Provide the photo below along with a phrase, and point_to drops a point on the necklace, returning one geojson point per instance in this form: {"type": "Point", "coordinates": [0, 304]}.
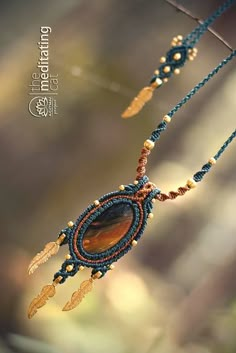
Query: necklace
{"type": "Point", "coordinates": [182, 49]}
{"type": "Point", "coordinates": [113, 224]}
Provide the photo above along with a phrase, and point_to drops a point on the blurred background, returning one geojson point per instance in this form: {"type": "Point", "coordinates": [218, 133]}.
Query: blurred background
{"type": "Point", "coordinates": [176, 291]}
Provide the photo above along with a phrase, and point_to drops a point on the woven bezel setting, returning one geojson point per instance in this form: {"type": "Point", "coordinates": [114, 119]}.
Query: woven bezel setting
{"type": "Point", "coordinates": [139, 198]}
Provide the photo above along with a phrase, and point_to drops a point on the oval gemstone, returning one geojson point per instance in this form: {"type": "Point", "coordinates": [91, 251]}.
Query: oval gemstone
{"type": "Point", "coordinates": [108, 228]}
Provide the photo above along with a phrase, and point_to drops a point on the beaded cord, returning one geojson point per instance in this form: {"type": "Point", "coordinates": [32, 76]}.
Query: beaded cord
{"type": "Point", "coordinates": [163, 125]}
{"type": "Point", "coordinates": [182, 49]}
{"type": "Point", "coordinates": [155, 136]}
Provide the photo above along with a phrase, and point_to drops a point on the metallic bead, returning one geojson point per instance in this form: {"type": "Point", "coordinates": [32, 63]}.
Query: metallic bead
{"type": "Point", "coordinates": [191, 183]}
{"type": "Point", "coordinates": [191, 57]}
{"type": "Point", "coordinates": [162, 60]}
{"type": "Point", "coordinates": [175, 39]}
{"type": "Point", "coordinates": [61, 238]}
{"type": "Point", "coordinates": [69, 268]}
{"type": "Point", "coordinates": [68, 257]}
{"type": "Point", "coordinates": [134, 243]}
{"type": "Point", "coordinates": [212, 161]}
{"type": "Point", "coordinates": [166, 69]}
{"type": "Point", "coordinates": [122, 187]}
{"type": "Point", "coordinates": [96, 202]}
{"type": "Point", "coordinates": [195, 50]}
{"type": "Point", "coordinates": [149, 144]}
{"type": "Point", "coordinates": [111, 267]}
{"type": "Point", "coordinates": [136, 182]}
{"type": "Point", "coordinates": [70, 224]}
{"type": "Point", "coordinates": [158, 82]}
{"type": "Point", "coordinates": [177, 56]}
{"type": "Point", "coordinates": [81, 268]}
{"type": "Point", "coordinates": [156, 72]}
{"type": "Point", "coordinates": [179, 37]}
{"type": "Point", "coordinates": [97, 275]}
{"type": "Point", "coordinates": [173, 44]}
{"type": "Point", "coordinates": [150, 215]}
{"type": "Point", "coordinates": [177, 71]}
{"type": "Point", "coordinates": [153, 200]}
{"type": "Point", "coordinates": [165, 79]}
{"type": "Point", "coordinates": [167, 118]}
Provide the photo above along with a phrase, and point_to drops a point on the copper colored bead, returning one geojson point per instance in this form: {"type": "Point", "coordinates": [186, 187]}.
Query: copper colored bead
{"type": "Point", "coordinates": [70, 224]}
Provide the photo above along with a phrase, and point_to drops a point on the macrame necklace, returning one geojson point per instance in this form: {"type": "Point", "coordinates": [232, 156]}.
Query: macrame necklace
{"type": "Point", "coordinates": [113, 224]}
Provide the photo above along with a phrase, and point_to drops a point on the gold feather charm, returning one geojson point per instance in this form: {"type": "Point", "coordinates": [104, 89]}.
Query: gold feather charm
{"type": "Point", "coordinates": [138, 102]}
{"type": "Point", "coordinates": [49, 250]}
{"type": "Point", "coordinates": [77, 297]}
{"type": "Point", "coordinates": [47, 292]}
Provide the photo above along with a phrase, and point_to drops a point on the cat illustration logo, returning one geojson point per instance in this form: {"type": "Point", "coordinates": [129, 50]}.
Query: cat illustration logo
{"type": "Point", "coordinates": [42, 107]}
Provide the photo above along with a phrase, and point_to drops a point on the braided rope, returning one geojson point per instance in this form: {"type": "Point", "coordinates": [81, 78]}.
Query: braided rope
{"type": "Point", "coordinates": [162, 126]}
{"type": "Point", "coordinates": [172, 194]}
{"type": "Point", "coordinates": [206, 167]}
{"type": "Point", "coordinates": [198, 32]}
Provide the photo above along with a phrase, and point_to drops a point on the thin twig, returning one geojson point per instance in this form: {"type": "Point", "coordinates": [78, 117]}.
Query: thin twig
{"type": "Point", "coordinates": [188, 13]}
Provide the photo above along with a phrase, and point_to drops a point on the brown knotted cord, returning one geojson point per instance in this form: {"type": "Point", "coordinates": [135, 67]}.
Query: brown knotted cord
{"type": "Point", "coordinates": [173, 194]}
{"type": "Point", "coordinates": [141, 169]}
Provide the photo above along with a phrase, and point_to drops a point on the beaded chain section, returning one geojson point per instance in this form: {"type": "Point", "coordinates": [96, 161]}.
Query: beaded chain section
{"type": "Point", "coordinates": [114, 223]}
{"type": "Point", "coordinates": [182, 49]}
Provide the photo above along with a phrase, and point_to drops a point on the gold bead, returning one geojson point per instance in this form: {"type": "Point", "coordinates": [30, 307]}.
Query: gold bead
{"type": "Point", "coordinates": [81, 268]}
{"type": "Point", "coordinates": [191, 183]}
{"type": "Point", "coordinates": [111, 267]}
{"type": "Point", "coordinates": [69, 268]}
{"type": "Point", "coordinates": [149, 144]}
{"type": "Point", "coordinates": [61, 238]}
{"type": "Point", "coordinates": [191, 57]}
{"type": "Point", "coordinates": [212, 161]}
{"type": "Point", "coordinates": [68, 257]}
{"type": "Point", "coordinates": [195, 50]}
{"type": "Point", "coordinates": [166, 69]}
{"type": "Point", "coordinates": [165, 79]}
{"type": "Point", "coordinates": [134, 243]}
{"type": "Point", "coordinates": [158, 82]}
{"type": "Point", "coordinates": [162, 60]}
{"type": "Point", "coordinates": [177, 56]}
{"type": "Point", "coordinates": [177, 71]}
{"type": "Point", "coordinates": [175, 40]}
{"type": "Point", "coordinates": [97, 275]}
{"type": "Point", "coordinates": [96, 202]}
{"type": "Point", "coordinates": [179, 37]}
{"type": "Point", "coordinates": [167, 118]}
{"type": "Point", "coordinates": [122, 187]}
{"type": "Point", "coordinates": [136, 182]}
{"type": "Point", "coordinates": [173, 44]}
{"type": "Point", "coordinates": [153, 200]}
{"type": "Point", "coordinates": [156, 72]}
{"type": "Point", "coordinates": [150, 215]}
{"type": "Point", "coordinates": [70, 224]}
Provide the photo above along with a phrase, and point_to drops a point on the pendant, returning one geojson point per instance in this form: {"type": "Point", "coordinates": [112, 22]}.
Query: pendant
{"type": "Point", "coordinates": [103, 233]}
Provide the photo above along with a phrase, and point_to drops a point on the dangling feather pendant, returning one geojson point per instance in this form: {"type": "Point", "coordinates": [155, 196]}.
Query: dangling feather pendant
{"type": "Point", "coordinates": [104, 232]}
